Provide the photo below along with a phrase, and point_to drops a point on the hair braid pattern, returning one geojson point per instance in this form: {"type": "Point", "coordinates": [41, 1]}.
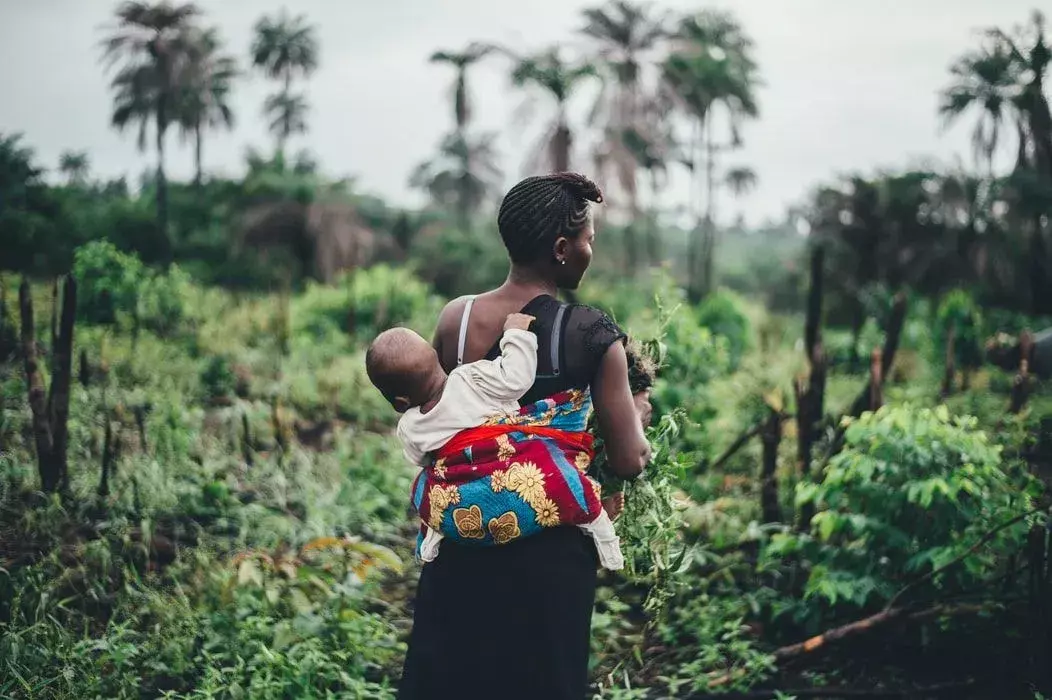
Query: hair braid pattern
{"type": "Point", "coordinates": [540, 209]}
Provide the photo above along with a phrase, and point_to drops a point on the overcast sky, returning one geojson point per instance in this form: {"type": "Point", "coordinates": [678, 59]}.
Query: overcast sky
{"type": "Point", "coordinates": [848, 85]}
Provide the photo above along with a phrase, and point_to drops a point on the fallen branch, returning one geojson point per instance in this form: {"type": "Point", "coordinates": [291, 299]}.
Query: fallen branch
{"type": "Point", "coordinates": [866, 624]}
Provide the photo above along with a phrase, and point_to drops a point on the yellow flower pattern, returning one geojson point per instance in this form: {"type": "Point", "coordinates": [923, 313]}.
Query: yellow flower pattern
{"type": "Point", "coordinates": [440, 468]}
{"type": "Point", "coordinates": [505, 528]}
{"type": "Point", "coordinates": [547, 513]}
{"type": "Point", "coordinates": [526, 480]}
{"type": "Point", "coordinates": [505, 450]}
{"type": "Point", "coordinates": [441, 497]}
{"type": "Point", "coordinates": [469, 522]}
{"type": "Point", "coordinates": [582, 461]}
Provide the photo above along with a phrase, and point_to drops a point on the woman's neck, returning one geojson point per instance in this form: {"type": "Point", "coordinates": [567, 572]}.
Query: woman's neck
{"type": "Point", "coordinates": [524, 281]}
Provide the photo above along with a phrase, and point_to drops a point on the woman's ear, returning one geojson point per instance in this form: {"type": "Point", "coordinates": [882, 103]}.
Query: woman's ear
{"type": "Point", "coordinates": [561, 249]}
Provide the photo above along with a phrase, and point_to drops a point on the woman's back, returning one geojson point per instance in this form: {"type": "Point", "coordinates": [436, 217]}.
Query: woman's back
{"type": "Point", "coordinates": [532, 598]}
{"type": "Point", "coordinates": [579, 335]}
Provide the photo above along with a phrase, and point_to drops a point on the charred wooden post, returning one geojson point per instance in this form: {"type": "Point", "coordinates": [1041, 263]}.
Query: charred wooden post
{"type": "Point", "coordinates": [810, 399]}
{"type": "Point", "coordinates": [279, 427]}
{"type": "Point", "coordinates": [951, 365]}
{"type": "Point", "coordinates": [49, 480]}
{"type": "Point", "coordinates": [771, 437]}
{"type": "Point", "coordinates": [84, 372]}
{"type": "Point", "coordinates": [1022, 380]}
{"type": "Point", "coordinates": [887, 356]}
{"type": "Point", "coordinates": [246, 440]}
{"type": "Point", "coordinates": [50, 409]}
{"type": "Point", "coordinates": [8, 337]}
{"type": "Point", "coordinates": [139, 411]}
{"type": "Point", "coordinates": [110, 453]}
{"type": "Point", "coordinates": [876, 380]}
{"type": "Point", "coordinates": [61, 376]}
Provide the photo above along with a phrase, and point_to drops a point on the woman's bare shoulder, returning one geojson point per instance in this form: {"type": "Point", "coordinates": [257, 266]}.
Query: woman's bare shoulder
{"type": "Point", "coordinates": [449, 322]}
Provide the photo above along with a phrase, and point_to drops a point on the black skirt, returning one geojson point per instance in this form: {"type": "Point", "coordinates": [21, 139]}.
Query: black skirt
{"type": "Point", "coordinates": [504, 623]}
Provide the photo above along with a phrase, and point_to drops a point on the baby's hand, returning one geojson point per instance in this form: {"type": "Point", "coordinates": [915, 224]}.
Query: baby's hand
{"type": "Point", "coordinates": [519, 322]}
{"type": "Point", "coordinates": [613, 505]}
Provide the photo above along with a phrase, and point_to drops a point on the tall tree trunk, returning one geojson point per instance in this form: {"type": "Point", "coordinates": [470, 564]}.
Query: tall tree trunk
{"type": "Point", "coordinates": [654, 252]}
{"type": "Point", "coordinates": [1039, 261]}
{"type": "Point", "coordinates": [460, 99]}
{"type": "Point", "coordinates": [162, 180]}
{"type": "Point", "coordinates": [810, 400]}
{"type": "Point", "coordinates": [771, 437]}
{"type": "Point", "coordinates": [695, 244]}
{"type": "Point", "coordinates": [198, 148]}
{"type": "Point", "coordinates": [560, 147]}
{"type": "Point", "coordinates": [710, 210]}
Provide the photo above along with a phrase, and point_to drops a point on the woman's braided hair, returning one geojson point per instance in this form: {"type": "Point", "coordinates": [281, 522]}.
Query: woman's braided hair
{"type": "Point", "coordinates": [542, 208]}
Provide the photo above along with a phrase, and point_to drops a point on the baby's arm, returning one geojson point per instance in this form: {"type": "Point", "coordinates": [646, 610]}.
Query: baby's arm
{"type": "Point", "coordinates": [512, 374]}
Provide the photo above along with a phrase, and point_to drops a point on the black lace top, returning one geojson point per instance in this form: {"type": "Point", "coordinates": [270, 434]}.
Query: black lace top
{"type": "Point", "coordinates": [584, 337]}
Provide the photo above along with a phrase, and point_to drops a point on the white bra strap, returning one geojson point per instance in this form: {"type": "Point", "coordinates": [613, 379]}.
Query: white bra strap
{"type": "Point", "coordinates": [462, 340]}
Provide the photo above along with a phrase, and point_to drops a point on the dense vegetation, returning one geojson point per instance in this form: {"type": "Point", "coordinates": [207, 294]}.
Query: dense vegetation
{"type": "Point", "coordinates": [200, 496]}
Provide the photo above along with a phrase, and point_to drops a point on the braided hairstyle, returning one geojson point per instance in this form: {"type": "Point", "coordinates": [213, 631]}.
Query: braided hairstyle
{"type": "Point", "coordinates": [540, 209]}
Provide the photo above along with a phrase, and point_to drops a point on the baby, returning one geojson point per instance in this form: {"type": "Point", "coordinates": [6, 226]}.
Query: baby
{"type": "Point", "coordinates": [435, 406]}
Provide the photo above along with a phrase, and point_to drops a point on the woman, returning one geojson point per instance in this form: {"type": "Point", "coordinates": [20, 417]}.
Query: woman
{"type": "Point", "coordinates": [513, 621]}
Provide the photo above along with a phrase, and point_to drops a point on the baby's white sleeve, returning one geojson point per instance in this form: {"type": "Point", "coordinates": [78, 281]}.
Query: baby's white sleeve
{"type": "Point", "coordinates": [410, 449]}
{"type": "Point", "coordinates": [512, 374]}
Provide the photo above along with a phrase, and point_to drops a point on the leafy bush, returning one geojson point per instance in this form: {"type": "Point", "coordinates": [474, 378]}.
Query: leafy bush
{"type": "Point", "coordinates": [115, 288]}
{"type": "Point", "coordinates": [162, 301]}
{"type": "Point", "coordinates": [218, 378]}
{"type": "Point", "coordinates": [721, 314]}
{"type": "Point", "coordinates": [108, 282]}
{"type": "Point", "coordinates": [365, 303]}
{"type": "Point", "coordinates": [912, 490]}
{"type": "Point", "coordinates": [456, 262]}
{"type": "Point", "coordinates": [958, 313]}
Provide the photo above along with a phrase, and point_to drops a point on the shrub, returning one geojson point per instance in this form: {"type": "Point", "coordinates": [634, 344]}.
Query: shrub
{"type": "Point", "coordinates": [721, 314]}
{"type": "Point", "coordinates": [115, 288]}
{"type": "Point", "coordinates": [456, 262]}
{"type": "Point", "coordinates": [366, 302]}
{"type": "Point", "coordinates": [108, 282]}
{"type": "Point", "coordinates": [959, 312]}
{"type": "Point", "coordinates": [912, 490]}
{"type": "Point", "coordinates": [162, 301]}
{"type": "Point", "coordinates": [218, 378]}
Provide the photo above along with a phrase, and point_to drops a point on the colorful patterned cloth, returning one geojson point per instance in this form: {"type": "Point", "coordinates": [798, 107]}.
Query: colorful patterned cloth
{"type": "Point", "coordinates": [514, 477]}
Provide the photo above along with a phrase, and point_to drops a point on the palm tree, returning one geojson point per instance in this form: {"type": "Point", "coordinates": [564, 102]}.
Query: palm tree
{"type": "Point", "coordinates": [559, 79]}
{"type": "Point", "coordinates": [463, 176]}
{"type": "Point", "coordinates": [461, 62]}
{"type": "Point", "coordinates": [206, 92]}
{"type": "Point", "coordinates": [1030, 54]}
{"type": "Point", "coordinates": [284, 47]}
{"type": "Point", "coordinates": [624, 34]}
{"type": "Point", "coordinates": [288, 115]}
{"type": "Point", "coordinates": [74, 164]}
{"type": "Point", "coordinates": [154, 41]}
{"type": "Point", "coordinates": [740, 181]}
{"type": "Point", "coordinates": [984, 81]}
{"type": "Point", "coordinates": [711, 66]}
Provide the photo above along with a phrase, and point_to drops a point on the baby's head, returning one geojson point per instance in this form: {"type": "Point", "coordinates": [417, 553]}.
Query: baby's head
{"type": "Point", "coordinates": [404, 367]}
